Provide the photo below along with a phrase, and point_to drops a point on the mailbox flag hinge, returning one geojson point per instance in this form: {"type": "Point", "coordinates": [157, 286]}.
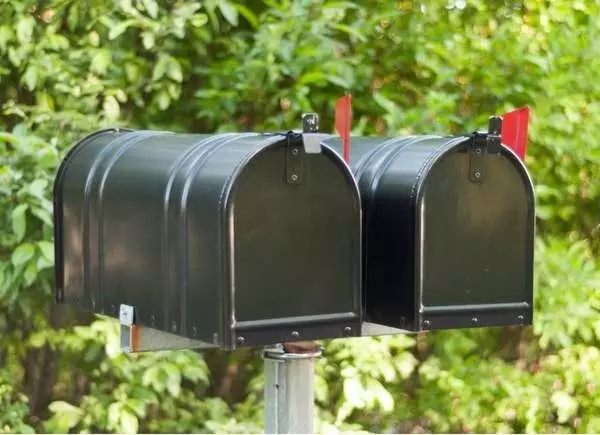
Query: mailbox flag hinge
{"type": "Point", "coordinates": [483, 144]}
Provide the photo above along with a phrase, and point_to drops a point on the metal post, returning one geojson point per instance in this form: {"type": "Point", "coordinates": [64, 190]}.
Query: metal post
{"type": "Point", "coordinates": [289, 390]}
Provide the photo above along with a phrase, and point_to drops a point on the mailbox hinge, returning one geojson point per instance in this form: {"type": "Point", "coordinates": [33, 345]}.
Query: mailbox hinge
{"type": "Point", "coordinates": [483, 144]}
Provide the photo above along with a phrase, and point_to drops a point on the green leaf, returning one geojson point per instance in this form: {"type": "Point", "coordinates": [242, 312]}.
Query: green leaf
{"type": "Point", "coordinates": [22, 254]}
{"type": "Point", "coordinates": [101, 61]}
{"type": "Point", "coordinates": [31, 77]}
{"type": "Point", "coordinates": [247, 14]}
{"type": "Point", "coordinates": [73, 17]}
{"type": "Point", "coordinates": [116, 30]}
{"type": "Point", "coordinates": [47, 249]}
{"type": "Point", "coordinates": [38, 188]}
{"type": "Point", "coordinates": [187, 10]}
{"type": "Point", "coordinates": [129, 422]}
{"type": "Point", "coordinates": [351, 31]}
{"type": "Point", "coordinates": [151, 7]}
{"type": "Point", "coordinates": [67, 414]}
{"type": "Point", "coordinates": [194, 373]}
{"type": "Point", "coordinates": [229, 12]}
{"type": "Point", "coordinates": [151, 377]}
{"type": "Point", "coordinates": [19, 221]}
{"type": "Point", "coordinates": [313, 77]}
{"type": "Point", "coordinates": [161, 67]}
{"type": "Point", "coordinates": [114, 415]}
{"type": "Point", "coordinates": [111, 108]}
{"type": "Point", "coordinates": [132, 72]}
{"type": "Point", "coordinates": [43, 263]}
{"type": "Point", "coordinates": [25, 29]}
{"type": "Point", "coordinates": [566, 405]}
{"type": "Point", "coordinates": [148, 40]}
{"type": "Point", "coordinates": [163, 100]}
{"type": "Point", "coordinates": [20, 130]}
{"type": "Point", "coordinates": [174, 71]}
{"type": "Point", "coordinates": [174, 379]}
{"type": "Point", "coordinates": [6, 35]}
{"type": "Point", "coordinates": [31, 273]}
{"type": "Point", "coordinates": [199, 20]}
{"type": "Point", "coordinates": [44, 215]}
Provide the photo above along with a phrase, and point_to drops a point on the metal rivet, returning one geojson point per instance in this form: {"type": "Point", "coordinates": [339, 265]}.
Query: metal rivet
{"type": "Point", "coordinates": [477, 174]}
{"type": "Point", "coordinates": [520, 317]}
{"type": "Point", "coordinates": [294, 151]}
{"type": "Point", "coordinates": [295, 334]}
{"type": "Point", "coordinates": [477, 150]}
{"type": "Point", "coordinates": [347, 330]}
{"type": "Point", "coordinates": [294, 177]}
{"type": "Point", "coordinates": [426, 323]}
{"type": "Point", "coordinates": [475, 320]}
{"type": "Point", "coordinates": [241, 340]}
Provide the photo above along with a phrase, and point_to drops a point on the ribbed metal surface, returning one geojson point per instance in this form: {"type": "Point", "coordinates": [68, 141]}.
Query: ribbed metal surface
{"type": "Point", "coordinates": [441, 251]}
{"type": "Point", "coordinates": [204, 236]}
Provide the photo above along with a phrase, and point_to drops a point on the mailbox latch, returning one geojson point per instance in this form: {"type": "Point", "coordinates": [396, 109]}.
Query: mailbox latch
{"type": "Point", "coordinates": [482, 145]}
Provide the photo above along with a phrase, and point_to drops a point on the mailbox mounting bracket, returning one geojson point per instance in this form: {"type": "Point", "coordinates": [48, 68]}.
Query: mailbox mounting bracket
{"type": "Point", "coordinates": [135, 338]}
{"type": "Point", "coordinates": [477, 157]}
{"type": "Point", "coordinates": [483, 144]}
{"type": "Point", "coordinates": [293, 159]}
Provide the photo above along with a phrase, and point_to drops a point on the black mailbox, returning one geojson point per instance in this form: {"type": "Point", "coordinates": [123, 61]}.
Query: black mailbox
{"type": "Point", "coordinates": [229, 239]}
{"type": "Point", "coordinates": [448, 232]}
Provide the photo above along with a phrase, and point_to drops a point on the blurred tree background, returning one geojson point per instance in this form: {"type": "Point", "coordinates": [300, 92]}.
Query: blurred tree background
{"type": "Point", "coordinates": [68, 67]}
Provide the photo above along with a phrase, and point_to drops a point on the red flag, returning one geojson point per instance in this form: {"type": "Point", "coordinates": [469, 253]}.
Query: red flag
{"type": "Point", "coordinates": [343, 115]}
{"type": "Point", "coordinates": [514, 130]}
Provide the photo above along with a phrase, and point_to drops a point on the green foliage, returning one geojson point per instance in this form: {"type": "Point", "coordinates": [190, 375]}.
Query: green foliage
{"type": "Point", "coordinates": [70, 67]}
{"type": "Point", "coordinates": [14, 410]}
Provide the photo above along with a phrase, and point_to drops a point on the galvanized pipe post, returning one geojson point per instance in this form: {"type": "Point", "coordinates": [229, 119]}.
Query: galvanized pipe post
{"type": "Point", "coordinates": [289, 390]}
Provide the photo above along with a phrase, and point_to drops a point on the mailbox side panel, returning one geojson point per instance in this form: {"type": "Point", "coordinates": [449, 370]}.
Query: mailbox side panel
{"type": "Point", "coordinates": [476, 243]}
{"type": "Point", "coordinates": [136, 212]}
{"type": "Point", "coordinates": [391, 239]}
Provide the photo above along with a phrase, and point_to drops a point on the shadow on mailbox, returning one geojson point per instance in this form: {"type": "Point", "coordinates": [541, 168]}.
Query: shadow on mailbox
{"type": "Point", "coordinates": [228, 239]}
{"type": "Point", "coordinates": [448, 232]}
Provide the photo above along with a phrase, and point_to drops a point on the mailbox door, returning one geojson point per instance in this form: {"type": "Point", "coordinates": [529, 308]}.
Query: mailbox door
{"type": "Point", "coordinates": [475, 242]}
{"type": "Point", "coordinates": [296, 247]}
